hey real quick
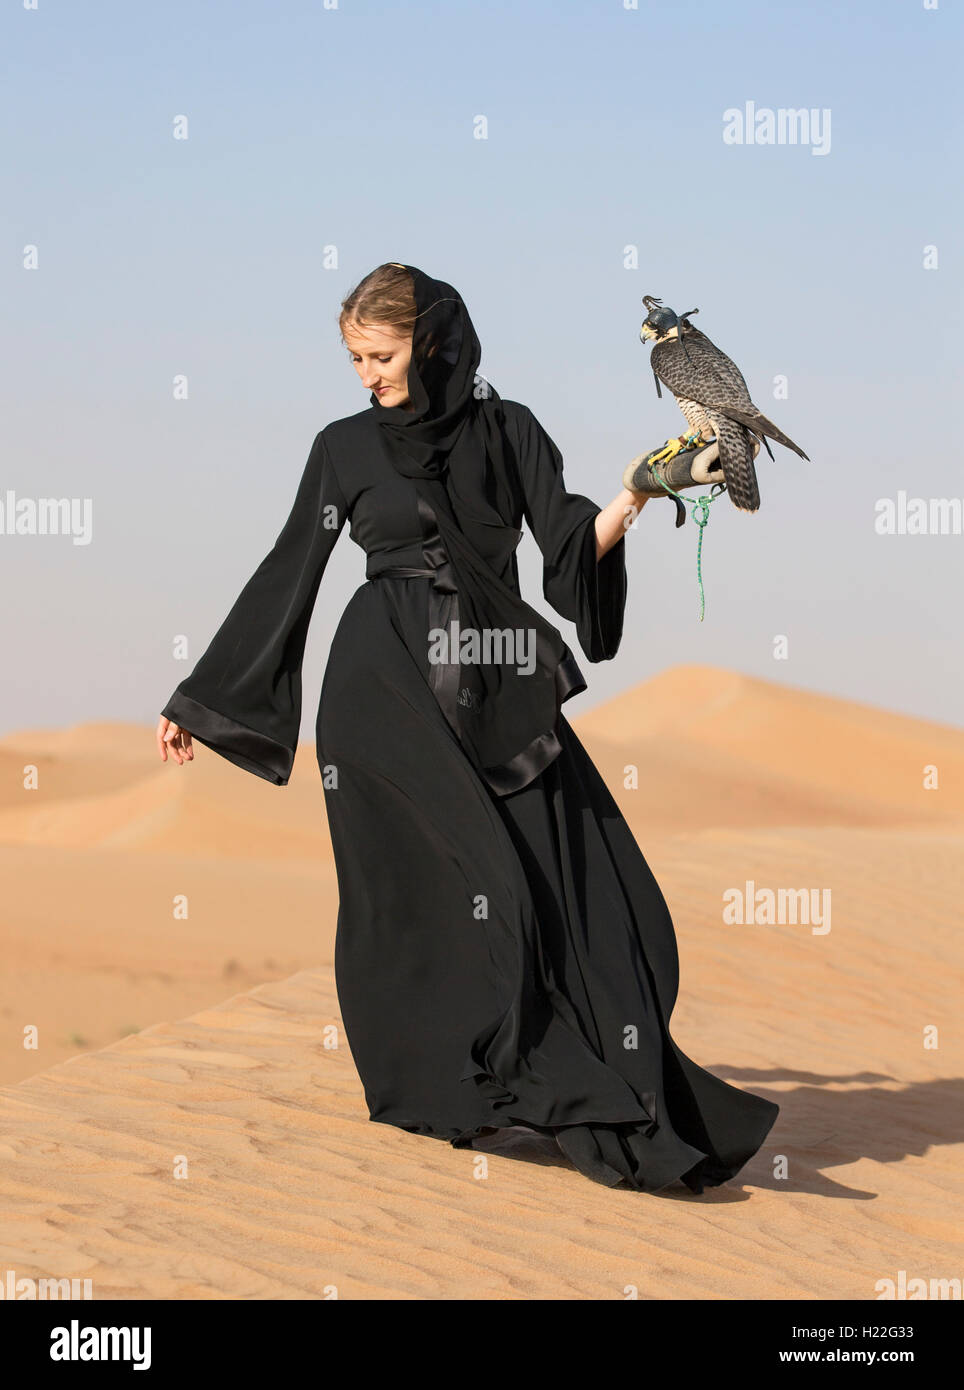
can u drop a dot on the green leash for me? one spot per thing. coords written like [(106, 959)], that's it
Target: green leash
[(700, 514)]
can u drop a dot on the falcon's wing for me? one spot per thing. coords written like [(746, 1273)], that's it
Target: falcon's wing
[(707, 375)]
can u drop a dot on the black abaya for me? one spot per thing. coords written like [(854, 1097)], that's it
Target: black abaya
[(500, 959)]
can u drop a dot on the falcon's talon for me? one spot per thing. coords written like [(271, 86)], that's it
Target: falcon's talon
[(669, 451)]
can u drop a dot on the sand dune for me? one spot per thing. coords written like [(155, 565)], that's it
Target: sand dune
[(784, 787), (284, 1165), (114, 792), (820, 745)]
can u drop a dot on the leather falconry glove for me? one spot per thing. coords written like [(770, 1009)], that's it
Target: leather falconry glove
[(684, 462)]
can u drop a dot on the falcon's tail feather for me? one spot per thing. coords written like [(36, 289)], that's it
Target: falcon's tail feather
[(755, 420), (736, 460)]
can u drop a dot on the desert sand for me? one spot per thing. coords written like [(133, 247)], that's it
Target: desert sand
[(210, 1045)]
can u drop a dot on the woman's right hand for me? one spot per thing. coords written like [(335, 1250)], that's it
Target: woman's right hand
[(173, 737)]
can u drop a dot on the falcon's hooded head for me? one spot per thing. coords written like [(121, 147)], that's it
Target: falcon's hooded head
[(661, 320)]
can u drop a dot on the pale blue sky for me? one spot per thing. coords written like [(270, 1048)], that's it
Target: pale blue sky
[(352, 128)]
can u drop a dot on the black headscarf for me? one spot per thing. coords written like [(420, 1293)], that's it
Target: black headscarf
[(505, 719)]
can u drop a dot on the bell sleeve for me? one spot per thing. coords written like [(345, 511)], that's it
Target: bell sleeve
[(243, 698), (590, 593)]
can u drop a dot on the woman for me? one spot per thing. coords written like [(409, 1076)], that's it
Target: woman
[(503, 956)]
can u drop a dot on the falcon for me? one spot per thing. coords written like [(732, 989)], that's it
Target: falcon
[(711, 393)]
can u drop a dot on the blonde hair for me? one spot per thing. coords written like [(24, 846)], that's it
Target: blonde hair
[(385, 296)]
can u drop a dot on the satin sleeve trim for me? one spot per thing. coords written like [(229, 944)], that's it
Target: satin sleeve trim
[(246, 748)]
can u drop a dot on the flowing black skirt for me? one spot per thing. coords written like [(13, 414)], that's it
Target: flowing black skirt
[(503, 960)]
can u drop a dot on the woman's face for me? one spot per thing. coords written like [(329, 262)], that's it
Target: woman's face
[(381, 357)]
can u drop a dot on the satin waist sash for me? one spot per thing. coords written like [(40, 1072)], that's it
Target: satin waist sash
[(445, 677)]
